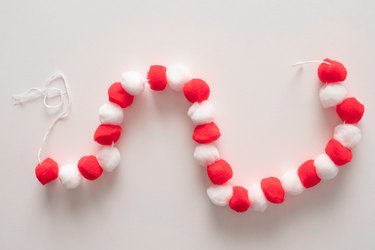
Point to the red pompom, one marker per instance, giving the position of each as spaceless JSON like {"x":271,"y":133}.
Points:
{"x":219,"y":172}
{"x":307,"y":174}
{"x":273,"y":189}
{"x":335,"y":72}
{"x":206,"y":133}
{"x":47,"y":171}
{"x":89,"y":167}
{"x":196,"y":90}
{"x":350,"y":110}
{"x":107,"y":134}
{"x":157,"y":78}
{"x":240,"y":199}
{"x":339,"y":154}
{"x":118,"y":95}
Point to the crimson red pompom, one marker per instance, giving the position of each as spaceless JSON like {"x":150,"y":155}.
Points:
{"x":338,"y":153}
{"x":118,"y":95}
{"x":47,"y":171}
{"x":157,"y":78}
{"x":273,"y":190}
{"x":350,"y":110}
{"x":196,"y":90}
{"x":206,"y":133}
{"x":336,"y":72}
{"x":240,"y":199}
{"x":89,"y":167}
{"x":106,"y":134}
{"x":307,"y":174}
{"x":219,"y":172}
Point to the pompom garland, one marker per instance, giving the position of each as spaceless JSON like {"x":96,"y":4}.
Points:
{"x":222,"y":192}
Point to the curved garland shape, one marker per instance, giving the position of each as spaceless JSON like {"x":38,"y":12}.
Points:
{"x":196,"y":91}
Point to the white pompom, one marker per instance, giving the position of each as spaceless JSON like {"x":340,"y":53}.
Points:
{"x":177,"y":76}
{"x":332,"y":94}
{"x":201,"y":113}
{"x":325,"y":167}
{"x":133,"y":82}
{"x":206,"y":154}
{"x":220,"y":195}
{"x":257,"y":198}
{"x":110,"y":113}
{"x":347,"y":134}
{"x":291,"y":182}
{"x":70,"y":176}
{"x":108,"y":158}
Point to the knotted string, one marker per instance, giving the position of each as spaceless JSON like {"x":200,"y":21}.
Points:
{"x":46,"y":93}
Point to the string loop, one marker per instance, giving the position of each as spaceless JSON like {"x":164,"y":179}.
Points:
{"x":46,"y":93}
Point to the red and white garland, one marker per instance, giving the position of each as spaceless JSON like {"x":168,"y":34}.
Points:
{"x":257,"y":196}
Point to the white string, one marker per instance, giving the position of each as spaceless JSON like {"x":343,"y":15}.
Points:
{"x":36,"y":93}
{"x":310,"y":61}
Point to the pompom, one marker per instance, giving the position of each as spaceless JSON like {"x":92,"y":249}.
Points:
{"x":257,"y":198}
{"x":291,"y":182}
{"x":348,"y":135}
{"x":332,"y":94}
{"x":325,"y":167}
{"x":196,"y":90}
{"x":157,"y":77}
{"x":118,"y":95}
{"x":108,"y":158}
{"x":201,"y":113}
{"x":111,"y":113}
{"x":219,"y":172}
{"x":350,"y":110}
{"x":240,"y":199}
{"x":69,"y":176}
{"x":220,"y":195}
{"x":107,"y":134}
{"x":177,"y":76}
{"x":47,"y":171}
{"x":339,"y":154}
{"x":89,"y":167}
{"x":307,"y":174}
{"x":273,"y":190}
{"x":206,"y":154}
{"x":133,"y":82}
{"x":206,"y":133}
{"x":335,"y":72}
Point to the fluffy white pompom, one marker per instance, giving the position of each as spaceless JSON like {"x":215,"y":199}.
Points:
{"x":332,"y":94}
{"x":133,"y":82}
{"x":70,"y":176}
{"x":177,"y":76}
{"x":220,"y":195}
{"x":257,"y":198}
{"x":110,"y":113}
{"x":325,"y":167}
{"x":201,"y":113}
{"x":108,"y":158}
{"x":291,"y":182}
{"x":347,"y":134}
{"x":206,"y":154}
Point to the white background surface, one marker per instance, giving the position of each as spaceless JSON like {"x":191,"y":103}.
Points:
{"x":268,"y":112}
